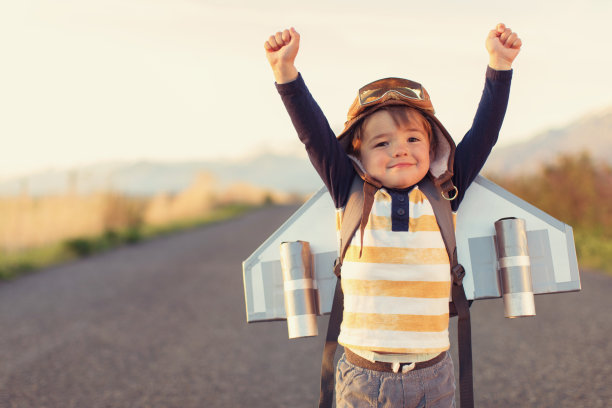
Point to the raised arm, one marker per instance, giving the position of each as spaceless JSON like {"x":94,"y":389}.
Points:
{"x":503,"y":46}
{"x":325,"y":153}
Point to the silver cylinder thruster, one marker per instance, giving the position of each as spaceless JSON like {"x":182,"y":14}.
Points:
{"x":514,"y":267}
{"x":300,"y":288}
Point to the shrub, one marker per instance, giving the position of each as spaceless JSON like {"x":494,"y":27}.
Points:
{"x":578,"y":191}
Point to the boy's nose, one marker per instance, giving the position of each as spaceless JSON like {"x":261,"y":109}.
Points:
{"x":400,"y":149}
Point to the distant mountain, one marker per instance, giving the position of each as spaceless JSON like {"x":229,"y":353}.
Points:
{"x":276,"y":172}
{"x":591,"y":133}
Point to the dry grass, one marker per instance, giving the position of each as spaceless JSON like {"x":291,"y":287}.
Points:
{"x":29,"y":222}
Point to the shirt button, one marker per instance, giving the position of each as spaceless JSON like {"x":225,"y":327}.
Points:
{"x":401,"y":198}
{"x":401,"y":211}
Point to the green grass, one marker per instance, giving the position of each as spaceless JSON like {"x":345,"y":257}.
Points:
{"x":594,"y":250}
{"x":13,"y":264}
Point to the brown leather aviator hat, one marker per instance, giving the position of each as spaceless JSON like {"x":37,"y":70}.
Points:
{"x":399,"y":91}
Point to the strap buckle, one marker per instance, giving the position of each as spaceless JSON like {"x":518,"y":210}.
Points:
{"x":448,"y":197}
{"x":337,"y":267}
{"x":458,"y":273}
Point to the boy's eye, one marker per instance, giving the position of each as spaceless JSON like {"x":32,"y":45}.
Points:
{"x":413,"y":139}
{"x":381,"y":144}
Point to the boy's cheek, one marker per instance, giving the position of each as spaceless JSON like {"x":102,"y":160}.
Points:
{"x":371,"y":168}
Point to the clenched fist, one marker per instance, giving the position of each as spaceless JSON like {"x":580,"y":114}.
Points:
{"x":281,"y":50}
{"x":503,"y":46}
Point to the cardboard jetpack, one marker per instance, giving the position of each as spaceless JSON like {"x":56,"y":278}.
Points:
{"x":552,"y":255}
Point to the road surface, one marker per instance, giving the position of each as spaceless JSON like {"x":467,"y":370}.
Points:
{"x":162,"y":324}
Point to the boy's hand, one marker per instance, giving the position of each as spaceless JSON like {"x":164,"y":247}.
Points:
{"x":281,"y":50}
{"x":503,"y":46}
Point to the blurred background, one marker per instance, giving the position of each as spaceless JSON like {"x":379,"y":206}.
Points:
{"x":127,"y":120}
{"x":123,"y":118}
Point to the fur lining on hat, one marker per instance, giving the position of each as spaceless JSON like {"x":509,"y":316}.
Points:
{"x":439,"y":165}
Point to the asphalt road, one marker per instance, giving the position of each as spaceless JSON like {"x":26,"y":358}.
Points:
{"x":162,"y":324}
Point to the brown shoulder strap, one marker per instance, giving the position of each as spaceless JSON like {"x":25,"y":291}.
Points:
{"x":350,"y":222}
{"x":444,"y":216}
{"x":351,"y":219}
{"x":326,"y":397}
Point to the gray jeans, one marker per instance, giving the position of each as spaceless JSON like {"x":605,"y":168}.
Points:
{"x":431,"y":387}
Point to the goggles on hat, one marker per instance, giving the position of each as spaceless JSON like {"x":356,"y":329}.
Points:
{"x":402,"y":88}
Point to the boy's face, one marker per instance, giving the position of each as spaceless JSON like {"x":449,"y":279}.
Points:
{"x":397,"y":156}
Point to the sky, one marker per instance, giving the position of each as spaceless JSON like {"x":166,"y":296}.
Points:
{"x":85,"y":81}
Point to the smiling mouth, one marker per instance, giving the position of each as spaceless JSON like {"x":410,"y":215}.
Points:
{"x":399,"y":165}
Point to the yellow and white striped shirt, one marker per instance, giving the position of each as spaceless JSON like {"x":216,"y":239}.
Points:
{"x":396,"y":294}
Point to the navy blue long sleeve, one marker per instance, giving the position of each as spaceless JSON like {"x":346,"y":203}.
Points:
{"x":335,"y":168}
{"x":474,"y":148}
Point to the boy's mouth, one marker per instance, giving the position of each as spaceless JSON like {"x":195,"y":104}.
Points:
{"x":401,"y":165}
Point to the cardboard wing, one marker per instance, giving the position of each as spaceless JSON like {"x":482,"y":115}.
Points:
{"x":554,"y":266}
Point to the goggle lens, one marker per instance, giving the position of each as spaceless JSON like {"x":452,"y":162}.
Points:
{"x":377,"y":90}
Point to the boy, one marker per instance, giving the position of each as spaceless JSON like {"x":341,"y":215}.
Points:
{"x":395,"y":274}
